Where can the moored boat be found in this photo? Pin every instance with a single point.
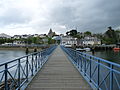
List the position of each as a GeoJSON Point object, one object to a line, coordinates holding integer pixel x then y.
{"type": "Point", "coordinates": [116, 48]}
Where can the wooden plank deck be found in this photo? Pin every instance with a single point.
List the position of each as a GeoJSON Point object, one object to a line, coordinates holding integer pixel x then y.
{"type": "Point", "coordinates": [58, 74]}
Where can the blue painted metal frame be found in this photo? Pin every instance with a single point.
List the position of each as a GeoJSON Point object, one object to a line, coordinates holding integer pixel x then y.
{"type": "Point", "coordinates": [99, 73]}
{"type": "Point", "coordinates": [16, 73]}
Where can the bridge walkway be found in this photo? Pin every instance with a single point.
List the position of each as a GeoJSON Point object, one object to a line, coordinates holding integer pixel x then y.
{"type": "Point", "coordinates": [58, 74]}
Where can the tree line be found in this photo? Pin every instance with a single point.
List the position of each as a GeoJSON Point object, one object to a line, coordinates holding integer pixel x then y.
{"type": "Point", "coordinates": [29, 40]}
{"type": "Point", "coordinates": [111, 36]}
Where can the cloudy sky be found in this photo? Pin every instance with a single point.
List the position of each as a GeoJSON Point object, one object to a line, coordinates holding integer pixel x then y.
{"type": "Point", "coordinates": [38, 16]}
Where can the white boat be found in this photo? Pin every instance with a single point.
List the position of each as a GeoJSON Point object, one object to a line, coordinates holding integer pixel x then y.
{"type": "Point", "coordinates": [80, 49]}
{"type": "Point", "coordinates": [87, 49]}
{"type": "Point", "coordinates": [68, 45]}
{"type": "Point", "coordinates": [84, 49]}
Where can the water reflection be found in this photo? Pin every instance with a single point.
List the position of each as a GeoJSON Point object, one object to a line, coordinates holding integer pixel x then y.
{"type": "Point", "coordinates": [8, 55]}
{"type": "Point", "coordinates": [110, 55]}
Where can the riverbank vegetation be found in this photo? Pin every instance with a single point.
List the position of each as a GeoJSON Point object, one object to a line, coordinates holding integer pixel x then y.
{"type": "Point", "coordinates": [111, 36]}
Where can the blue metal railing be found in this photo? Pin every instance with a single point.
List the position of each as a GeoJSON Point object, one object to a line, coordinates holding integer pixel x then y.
{"type": "Point", "coordinates": [99, 73]}
{"type": "Point", "coordinates": [17, 73]}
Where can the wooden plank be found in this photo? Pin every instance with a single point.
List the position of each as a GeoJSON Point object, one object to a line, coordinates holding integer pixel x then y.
{"type": "Point", "coordinates": [58, 74]}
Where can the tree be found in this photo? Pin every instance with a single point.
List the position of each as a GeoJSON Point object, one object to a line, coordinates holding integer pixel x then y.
{"type": "Point", "coordinates": [88, 33]}
{"type": "Point", "coordinates": [67, 33]}
{"type": "Point", "coordinates": [118, 35]}
{"type": "Point", "coordinates": [51, 41]}
{"type": "Point", "coordinates": [110, 36]}
{"type": "Point", "coordinates": [73, 33]}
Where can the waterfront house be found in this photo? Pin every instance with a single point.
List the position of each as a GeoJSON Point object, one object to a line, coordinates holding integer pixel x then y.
{"type": "Point", "coordinates": [25, 36]}
{"type": "Point", "coordinates": [56, 37]}
{"type": "Point", "coordinates": [18, 42]}
{"type": "Point", "coordinates": [68, 40]}
{"type": "Point", "coordinates": [42, 35]}
{"type": "Point", "coordinates": [89, 40]}
{"type": "Point", "coordinates": [17, 37]}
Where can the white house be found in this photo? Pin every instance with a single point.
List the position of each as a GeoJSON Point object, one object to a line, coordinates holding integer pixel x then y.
{"type": "Point", "coordinates": [17, 42]}
{"type": "Point", "coordinates": [56, 37]}
{"type": "Point", "coordinates": [17, 36]}
{"type": "Point", "coordinates": [24, 36]}
{"type": "Point", "coordinates": [65, 40]}
{"type": "Point", "coordinates": [42, 35]}
{"type": "Point", "coordinates": [90, 41]}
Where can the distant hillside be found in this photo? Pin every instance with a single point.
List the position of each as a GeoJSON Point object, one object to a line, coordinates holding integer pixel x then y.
{"type": "Point", "coordinates": [3, 35]}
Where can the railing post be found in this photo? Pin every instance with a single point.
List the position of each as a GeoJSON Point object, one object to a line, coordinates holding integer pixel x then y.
{"type": "Point", "coordinates": [27, 69]}
{"type": "Point", "coordinates": [81, 61]}
{"type": "Point", "coordinates": [32, 65]}
{"type": "Point", "coordinates": [41, 57]}
{"type": "Point", "coordinates": [36, 62]}
{"type": "Point", "coordinates": [6, 77]}
{"type": "Point", "coordinates": [19, 74]}
{"type": "Point", "coordinates": [39, 60]}
{"type": "Point", "coordinates": [85, 66]}
{"type": "Point", "coordinates": [78, 60]}
{"type": "Point", "coordinates": [98, 74]}
{"type": "Point", "coordinates": [90, 69]}
{"type": "Point", "coordinates": [111, 77]}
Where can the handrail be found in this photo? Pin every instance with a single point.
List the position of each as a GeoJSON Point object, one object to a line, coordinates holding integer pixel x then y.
{"type": "Point", "coordinates": [16, 73]}
{"type": "Point", "coordinates": [99, 73]}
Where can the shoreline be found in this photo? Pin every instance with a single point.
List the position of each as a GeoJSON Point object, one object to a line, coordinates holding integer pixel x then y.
{"type": "Point", "coordinates": [20, 48]}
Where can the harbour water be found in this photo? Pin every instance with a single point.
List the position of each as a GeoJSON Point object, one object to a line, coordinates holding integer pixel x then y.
{"type": "Point", "coordinates": [8, 55]}
{"type": "Point", "coordinates": [110, 55]}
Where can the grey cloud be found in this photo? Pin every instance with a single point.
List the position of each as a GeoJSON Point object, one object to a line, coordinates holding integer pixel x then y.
{"type": "Point", "coordinates": [13, 16]}
{"type": "Point", "coordinates": [91, 15]}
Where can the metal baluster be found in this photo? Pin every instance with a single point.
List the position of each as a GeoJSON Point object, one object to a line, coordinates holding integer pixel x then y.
{"type": "Point", "coordinates": [27, 68]}
{"type": "Point", "coordinates": [32, 65]}
{"type": "Point", "coordinates": [19, 82]}
{"type": "Point", "coordinates": [6, 77]}
{"type": "Point", "coordinates": [81, 61]}
{"type": "Point", "coordinates": [85, 66]}
{"type": "Point", "coordinates": [78, 59]}
{"type": "Point", "coordinates": [36, 62]}
{"type": "Point", "coordinates": [111, 77]}
{"type": "Point", "coordinates": [98, 74]}
{"type": "Point", "coordinates": [90, 69]}
{"type": "Point", "coordinates": [39, 60]}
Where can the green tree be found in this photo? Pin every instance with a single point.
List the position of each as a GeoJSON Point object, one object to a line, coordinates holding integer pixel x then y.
{"type": "Point", "coordinates": [110, 36]}
{"type": "Point", "coordinates": [88, 33]}
{"type": "Point", "coordinates": [51, 41]}
{"type": "Point", "coordinates": [118, 35]}
{"type": "Point", "coordinates": [73, 33]}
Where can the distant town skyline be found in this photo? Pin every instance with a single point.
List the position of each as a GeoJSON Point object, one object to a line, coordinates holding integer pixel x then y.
{"type": "Point", "coordinates": [19, 17]}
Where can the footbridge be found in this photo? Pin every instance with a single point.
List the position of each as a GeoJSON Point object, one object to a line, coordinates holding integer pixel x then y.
{"type": "Point", "coordinates": [59, 68]}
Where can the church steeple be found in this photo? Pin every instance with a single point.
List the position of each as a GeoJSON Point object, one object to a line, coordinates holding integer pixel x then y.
{"type": "Point", "coordinates": [51, 33]}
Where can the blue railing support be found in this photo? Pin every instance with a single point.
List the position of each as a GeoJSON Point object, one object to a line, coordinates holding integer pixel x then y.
{"type": "Point", "coordinates": [84, 66]}
{"type": "Point", "coordinates": [36, 63]}
{"type": "Point", "coordinates": [99, 73]}
{"type": "Point", "coordinates": [90, 70]}
{"type": "Point", "coordinates": [19, 81]}
{"type": "Point", "coordinates": [98, 76]}
{"type": "Point", "coordinates": [16, 74]}
{"type": "Point", "coordinates": [6, 77]}
{"type": "Point", "coordinates": [27, 69]}
{"type": "Point", "coordinates": [111, 77]}
{"type": "Point", "coordinates": [32, 66]}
